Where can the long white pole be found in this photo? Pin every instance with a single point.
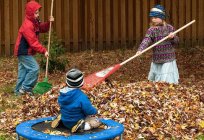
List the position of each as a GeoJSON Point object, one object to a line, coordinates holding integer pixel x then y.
{"type": "Point", "coordinates": [157, 43]}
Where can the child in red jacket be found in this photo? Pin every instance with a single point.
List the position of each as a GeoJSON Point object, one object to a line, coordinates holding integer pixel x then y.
{"type": "Point", "coordinates": [27, 45]}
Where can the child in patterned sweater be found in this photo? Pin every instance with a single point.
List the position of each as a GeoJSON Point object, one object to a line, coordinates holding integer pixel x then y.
{"type": "Point", "coordinates": [163, 66]}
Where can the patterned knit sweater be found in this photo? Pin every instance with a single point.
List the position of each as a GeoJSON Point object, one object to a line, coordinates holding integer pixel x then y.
{"type": "Point", "coordinates": [163, 52]}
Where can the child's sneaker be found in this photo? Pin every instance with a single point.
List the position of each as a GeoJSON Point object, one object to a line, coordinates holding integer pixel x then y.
{"type": "Point", "coordinates": [79, 126]}
{"type": "Point", "coordinates": [56, 121]}
{"type": "Point", "coordinates": [22, 92]}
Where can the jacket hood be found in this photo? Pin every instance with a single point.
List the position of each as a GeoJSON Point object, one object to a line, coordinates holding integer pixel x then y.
{"type": "Point", "coordinates": [30, 8]}
{"type": "Point", "coordinates": [68, 95]}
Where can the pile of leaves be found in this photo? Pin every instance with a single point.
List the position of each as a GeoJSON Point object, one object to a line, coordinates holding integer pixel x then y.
{"type": "Point", "coordinates": [147, 110]}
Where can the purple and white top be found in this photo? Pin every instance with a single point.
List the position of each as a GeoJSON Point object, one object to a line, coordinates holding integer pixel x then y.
{"type": "Point", "coordinates": [164, 52]}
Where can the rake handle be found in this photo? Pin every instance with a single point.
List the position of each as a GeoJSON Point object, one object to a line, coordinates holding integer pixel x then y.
{"type": "Point", "coordinates": [48, 48]}
{"type": "Point", "coordinates": [157, 43]}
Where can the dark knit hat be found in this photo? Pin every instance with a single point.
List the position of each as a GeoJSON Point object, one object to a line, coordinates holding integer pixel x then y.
{"type": "Point", "coordinates": [158, 11]}
{"type": "Point", "coordinates": [74, 78]}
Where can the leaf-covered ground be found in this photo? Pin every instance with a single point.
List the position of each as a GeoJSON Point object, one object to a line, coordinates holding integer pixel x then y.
{"type": "Point", "coordinates": [147, 110]}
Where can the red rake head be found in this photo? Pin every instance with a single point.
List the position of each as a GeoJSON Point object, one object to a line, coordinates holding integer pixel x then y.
{"type": "Point", "coordinates": [96, 78]}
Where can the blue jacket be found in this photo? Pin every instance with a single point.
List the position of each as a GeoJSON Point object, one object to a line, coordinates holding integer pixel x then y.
{"type": "Point", "coordinates": [74, 105]}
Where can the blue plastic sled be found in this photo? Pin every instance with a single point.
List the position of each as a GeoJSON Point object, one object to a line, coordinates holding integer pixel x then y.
{"type": "Point", "coordinates": [25, 130]}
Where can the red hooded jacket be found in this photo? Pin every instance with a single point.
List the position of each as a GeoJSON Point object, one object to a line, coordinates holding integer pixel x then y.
{"type": "Point", "coordinates": [27, 42]}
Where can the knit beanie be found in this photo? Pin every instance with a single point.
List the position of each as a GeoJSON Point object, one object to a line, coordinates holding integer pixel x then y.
{"type": "Point", "coordinates": [74, 78]}
{"type": "Point", "coordinates": [158, 11]}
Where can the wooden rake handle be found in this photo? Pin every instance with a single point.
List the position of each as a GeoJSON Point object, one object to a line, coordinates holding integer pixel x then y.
{"type": "Point", "coordinates": [48, 48]}
{"type": "Point", "coordinates": [156, 43]}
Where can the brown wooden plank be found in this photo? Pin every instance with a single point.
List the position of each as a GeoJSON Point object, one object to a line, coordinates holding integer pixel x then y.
{"type": "Point", "coordinates": [201, 22]}
{"type": "Point", "coordinates": [75, 25]}
{"type": "Point", "coordinates": [63, 16]}
{"type": "Point", "coordinates": [167, 6]}
{"type": "Point", "coordinates": [138, 22]}
{"type": "Point", "coordinates": [87, 32]}
{"type": "Point", "coordinates": [181, 19]}
{"type": "Point", "coordinates": [1, 29]}
{"type": "Point", "coordinates": [92, 24]}
{"type": "Point", "coordinates": [42, 15]}
{"type": "Point", "coordinates": [123, 24]}
{"type": "Point", "coordinates": [100, 24]}
{"type": "Point", "coordinates": [23, 4]}
{"type": "Point", "coordinates": [188, 19]}
{"type": "Point", "coordinates": [194, 16]}
{"type": "Point", "coordinates": [80, 21]}
{"type": "Point", "coordinates": [175, 14]}
{"type": "Point", "coordinates": [42, 11]}
{"type": "Point", "coordinates": [130, 23]}
{"type": "Point", "coordinates": [108, 24]}
{"type": "Point", "coordinates": [7, 27]}
{"type": "Point", "coordinates": [115, 23]}
{"type": "Point", "coordinates": [58, 18]}
{"type": "Point", "coordinates": [162, 2]}
{"type": "Point", "coordinates": [145, 16]}
{"type": "Point", "coordinates": [67, 24]}
{"type": "Point", "coordinates": [152, 3]}
{"type": "Point", "coordinates": [11, 26]}
{"type": "Point", "coordinates": [15, 19]}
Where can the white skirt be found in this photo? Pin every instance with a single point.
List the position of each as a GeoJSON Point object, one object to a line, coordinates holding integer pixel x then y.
{"type": "Point", "coordinates": [164, 72]}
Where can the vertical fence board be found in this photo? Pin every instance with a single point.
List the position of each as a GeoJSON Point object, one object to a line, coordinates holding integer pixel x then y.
{"type": "Point", "coordinates": [23, 4]}
{"type": "Point", "coordinates": [123, 24]}
{"type": "Point", "coordinates": [92, 24]}
{"type": "Point", "coordinates": [42, 12]}
{"type": "Point", "coordinates": [58, 17]}
{"type": "Point", "coordinates": [75, 25]}
{"type": "Point", "coordinates": [42, 15]}
{"type": "Point", "coordinates": [1, 20]}
{"type": "Point", "coordinates": [181, 20]}
{"type": "Point", "coordinates": [108, 24]}
{"type": "Point", "coordinates": [167, 7]}
{"type": "Point", "coordinates": [145, 16]}
{"type": "Point", "coordinates": [1, 31]}
{"type": "Point", "coordinates": [138, 22]}
{"type": "Point", "coordinates": [188, 19]}
{"type": "Point", "coordinates": [175, 14]}
{"type": "Point", "coordinates": [87, 24]}
{"type": "Point", "coordinates": [67, 24]}
{"type": "Point", "coordinates": [130, 23]}
{"type": "Point", "coordinates": [15, 18]}
{"type": "Point", "coordinates": [80, 20]}
{"type": "Point", "coordinates": [115, 23]}
{"type": "Point", "coordinates": [100, 24]}
{"type": "Point", "coordinates": [194, 16]}
{"type": "Point", "coordinates": [7, 27]}
{"type": "Point", "coordinates": [201, 22]}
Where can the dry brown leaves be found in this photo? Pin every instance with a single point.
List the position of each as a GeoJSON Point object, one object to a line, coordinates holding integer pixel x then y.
{"type": "Point", "coordinates": [152, 110]}
{"type": "Point", "coordinates": [149, 110]}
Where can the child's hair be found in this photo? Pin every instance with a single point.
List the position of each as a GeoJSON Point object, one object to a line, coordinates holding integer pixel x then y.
{"type": "Point", "coordinates": [74, 78]}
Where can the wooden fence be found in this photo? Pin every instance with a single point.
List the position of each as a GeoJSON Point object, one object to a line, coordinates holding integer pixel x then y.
{"type": "Point", "coordinates": [102, 24]}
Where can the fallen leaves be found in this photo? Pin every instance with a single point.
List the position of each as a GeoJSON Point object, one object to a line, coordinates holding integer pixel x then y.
{"type": "Point", "coordinates": [147, 110]}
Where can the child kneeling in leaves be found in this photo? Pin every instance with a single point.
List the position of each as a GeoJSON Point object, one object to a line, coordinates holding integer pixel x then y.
{"type": "Point", "coordinates": [75, 107]}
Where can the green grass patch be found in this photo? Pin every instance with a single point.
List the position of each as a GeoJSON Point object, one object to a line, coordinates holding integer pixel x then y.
{"type": "Point", "coordinates": [200, 137]}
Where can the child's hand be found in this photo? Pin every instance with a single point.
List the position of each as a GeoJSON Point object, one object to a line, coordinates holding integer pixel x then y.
{"type": "Point", "coordinates": [46, 54]}
{"type": "Point", "coordinates": [51, 19]}
{"type": "Point", "coordinates": [171, 35]}
{"type": "Point", "coordinates": [138, 53]}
